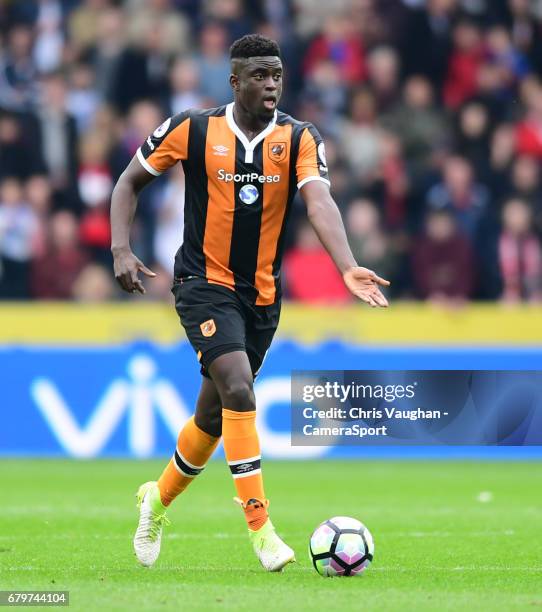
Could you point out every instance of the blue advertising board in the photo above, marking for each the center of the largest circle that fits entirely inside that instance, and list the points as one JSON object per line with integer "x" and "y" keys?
{"x": 131, "y": 400}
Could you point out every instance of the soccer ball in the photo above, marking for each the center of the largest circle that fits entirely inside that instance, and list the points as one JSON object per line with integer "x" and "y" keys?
{"x": 341, "y": 546}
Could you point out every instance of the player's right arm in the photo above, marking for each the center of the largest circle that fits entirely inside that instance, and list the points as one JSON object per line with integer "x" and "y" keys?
{"x": 161, "y": 150}
{"x": 123, "y": 207}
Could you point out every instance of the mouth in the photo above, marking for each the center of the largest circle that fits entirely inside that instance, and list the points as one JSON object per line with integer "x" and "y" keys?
{"x": 270, "y": 103}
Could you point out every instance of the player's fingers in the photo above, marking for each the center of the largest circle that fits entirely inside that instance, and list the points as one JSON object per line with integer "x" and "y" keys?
{"x": 381, "y": 281}
{"x": 380, "y": 299}
{"x": 138, "y": 286}
{"x": 135, "y": 283}
{"x": 366, "y": 298}
{"x": 146, "y": 271}
{"x": 125, "y": 281}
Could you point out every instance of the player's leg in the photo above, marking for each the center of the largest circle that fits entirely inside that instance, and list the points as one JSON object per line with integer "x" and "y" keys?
{"x": 196, "y": 442}
{"x": 212, "y": 319}
{"x": 233, "y": 376}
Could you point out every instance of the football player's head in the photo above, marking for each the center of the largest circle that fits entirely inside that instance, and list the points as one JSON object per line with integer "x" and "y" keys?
{"x": 256, "y": 75}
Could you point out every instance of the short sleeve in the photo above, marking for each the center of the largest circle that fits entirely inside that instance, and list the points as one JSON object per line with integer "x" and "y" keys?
{"x": 311, "y": 164}
{"x": 167, "y": 145}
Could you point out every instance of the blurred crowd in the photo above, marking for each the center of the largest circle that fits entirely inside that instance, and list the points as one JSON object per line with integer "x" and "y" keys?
{"x": 431, "y": 111}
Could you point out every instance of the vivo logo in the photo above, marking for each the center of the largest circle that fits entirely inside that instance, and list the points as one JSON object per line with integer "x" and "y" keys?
{"x": 142, "y": 397}
{"x": 139, "y": 397}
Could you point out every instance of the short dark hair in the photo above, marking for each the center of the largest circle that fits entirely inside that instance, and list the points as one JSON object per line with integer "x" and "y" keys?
{"x": 254, "y": 45}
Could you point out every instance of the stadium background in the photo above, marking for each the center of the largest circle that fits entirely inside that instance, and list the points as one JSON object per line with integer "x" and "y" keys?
{"x": 432, "y": 116}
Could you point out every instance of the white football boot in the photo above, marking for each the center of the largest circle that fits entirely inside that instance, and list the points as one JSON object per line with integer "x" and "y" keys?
{"x": 152, "y": 518}
{"x": 271, "y": 551}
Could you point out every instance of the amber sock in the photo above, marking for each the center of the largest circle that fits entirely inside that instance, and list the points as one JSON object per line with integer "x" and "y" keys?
{"x": 194, "y": 448}
{"x": 242, "y": 449}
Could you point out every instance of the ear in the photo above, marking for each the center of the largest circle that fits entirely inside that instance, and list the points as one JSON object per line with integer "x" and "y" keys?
{"x": 234, "y": 82}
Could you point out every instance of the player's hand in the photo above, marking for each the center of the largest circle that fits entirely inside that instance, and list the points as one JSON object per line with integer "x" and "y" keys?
{"x": 127, "y": 266}
{"x": 364, "y": 284}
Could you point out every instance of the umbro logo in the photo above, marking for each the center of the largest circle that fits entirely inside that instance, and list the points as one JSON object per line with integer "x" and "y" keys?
{"x": 220, "y": 150}
{"x": 244, "y": 467}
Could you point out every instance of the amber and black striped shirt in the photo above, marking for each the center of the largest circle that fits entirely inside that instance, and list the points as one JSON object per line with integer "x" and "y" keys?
{"x": 238, "y": 193}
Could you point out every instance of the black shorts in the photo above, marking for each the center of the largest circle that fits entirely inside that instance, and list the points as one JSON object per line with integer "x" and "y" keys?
{"x": 218, "y": 320}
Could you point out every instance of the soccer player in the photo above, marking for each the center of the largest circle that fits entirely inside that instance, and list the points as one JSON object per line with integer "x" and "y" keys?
{"x": 243, "y": 164}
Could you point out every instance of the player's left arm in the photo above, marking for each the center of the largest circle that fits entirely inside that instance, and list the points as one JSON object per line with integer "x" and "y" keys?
{"x": 326, "y": 220}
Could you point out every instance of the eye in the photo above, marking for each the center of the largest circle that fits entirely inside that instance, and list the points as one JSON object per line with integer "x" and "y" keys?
{"x": 278, "y": 77}
{"x": 258, "y": 77}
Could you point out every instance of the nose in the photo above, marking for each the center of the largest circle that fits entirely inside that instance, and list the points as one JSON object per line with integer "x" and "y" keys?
{"x": 270, "y": 84}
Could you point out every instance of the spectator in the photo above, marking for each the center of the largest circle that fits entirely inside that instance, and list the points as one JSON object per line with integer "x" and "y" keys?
{"x": 55, "y": 271}
{"x": 421, "y": 126}
{"x": 394, "y": 181}
{"x": 529, "y": 130}
{"x": 525, "y": 31}
{"x": 383, "y": 71}
{"x": 360, "y": 136}
{"x": 185, "y": 87}
{"x": 18, "y": 230}
{"x": 512, "y": 65}
{"x": 525, "y": 181}
{"x": 338, "y": 44}
{"x": 49, "y": 44}
{"x": 84, "y": 24}
{"x": 234, "y": 15}
{"x": 212, "y": 60}
{"x": 94, "y": 285}
{"x": 39, "y": 195}
{"x": 502, "y": 150}
{"x": 465, "y": 61}
{"x": 121, "y": 71}
{"x": 520, "y": 257}
{"x": 367, "y": 240}
{"x": 442, "y": 262}
{"x": 472, "y": 137}
{"x": 327, "y": 89}
{"x": 310, "y": 274}
{"x": 18, "y": 158}
{"x": 426, "y": 48}
{"x": 18, "y": 72}
{"x": 95, "y": 186}
{"x": 82, "y": 99}
{"x": 160, "y": 17}
{"x": 57, "y": 134}
{"x": 459, "y": 194}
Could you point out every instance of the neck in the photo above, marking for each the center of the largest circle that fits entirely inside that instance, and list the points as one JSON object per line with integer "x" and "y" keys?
{"x": 249, "y": 124}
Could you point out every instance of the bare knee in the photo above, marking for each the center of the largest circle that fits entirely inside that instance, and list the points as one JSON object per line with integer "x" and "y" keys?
{"x": 238, "y": 395}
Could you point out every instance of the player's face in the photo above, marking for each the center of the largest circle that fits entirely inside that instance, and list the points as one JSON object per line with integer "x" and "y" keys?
{"x": 259, "y": 85}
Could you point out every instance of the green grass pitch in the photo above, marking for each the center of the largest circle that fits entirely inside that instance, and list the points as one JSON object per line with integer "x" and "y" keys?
{"x": 69, "y": 524}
